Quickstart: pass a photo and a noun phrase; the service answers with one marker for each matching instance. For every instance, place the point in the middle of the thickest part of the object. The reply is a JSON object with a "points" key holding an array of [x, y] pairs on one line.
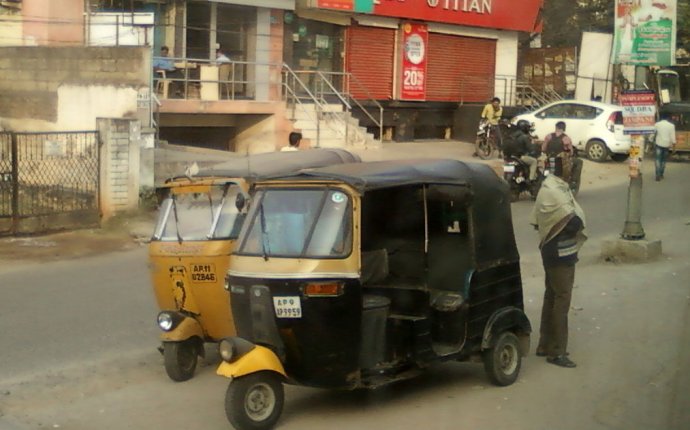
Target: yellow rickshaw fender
{"points": [[258, 359], [186, 329]]}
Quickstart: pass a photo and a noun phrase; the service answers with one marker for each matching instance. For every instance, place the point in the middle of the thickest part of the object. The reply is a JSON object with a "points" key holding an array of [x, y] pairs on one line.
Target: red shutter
{"points": [[370, 55], [460, 68]]}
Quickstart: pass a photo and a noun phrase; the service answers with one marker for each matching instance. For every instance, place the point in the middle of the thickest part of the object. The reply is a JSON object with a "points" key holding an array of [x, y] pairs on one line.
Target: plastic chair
{"points": [[223, 78], [162, 84]]}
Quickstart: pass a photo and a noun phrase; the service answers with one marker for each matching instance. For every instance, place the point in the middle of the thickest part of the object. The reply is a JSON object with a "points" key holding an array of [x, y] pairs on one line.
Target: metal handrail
{"points": [[155, 122], [352, 78], [318, 97]]}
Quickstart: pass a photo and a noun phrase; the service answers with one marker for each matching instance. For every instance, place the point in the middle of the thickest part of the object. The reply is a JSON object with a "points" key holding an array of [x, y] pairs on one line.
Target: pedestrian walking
{"points": [[664, 140], [560, 222]]}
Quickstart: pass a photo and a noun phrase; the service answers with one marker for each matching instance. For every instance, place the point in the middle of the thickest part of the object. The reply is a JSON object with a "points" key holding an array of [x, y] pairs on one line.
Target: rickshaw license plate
{"points": [[509, 168], [287, 307]]}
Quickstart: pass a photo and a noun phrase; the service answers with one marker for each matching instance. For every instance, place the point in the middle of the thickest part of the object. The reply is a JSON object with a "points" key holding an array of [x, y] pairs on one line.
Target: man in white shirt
{"points": [[221, 57], [294, 140], [664, 141]]}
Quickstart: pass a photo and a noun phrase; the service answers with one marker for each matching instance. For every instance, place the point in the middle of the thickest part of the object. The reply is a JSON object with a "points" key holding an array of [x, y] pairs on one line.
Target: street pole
{"points": [[632, 229]]}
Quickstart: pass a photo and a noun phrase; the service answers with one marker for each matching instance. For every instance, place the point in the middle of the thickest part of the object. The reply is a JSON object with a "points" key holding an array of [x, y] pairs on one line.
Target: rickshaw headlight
{"points": [[165, 321], [227, 349]]}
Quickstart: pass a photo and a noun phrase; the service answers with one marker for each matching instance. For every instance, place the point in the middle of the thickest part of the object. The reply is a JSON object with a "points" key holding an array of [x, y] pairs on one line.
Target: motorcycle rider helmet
{"points": [[524, 126]]}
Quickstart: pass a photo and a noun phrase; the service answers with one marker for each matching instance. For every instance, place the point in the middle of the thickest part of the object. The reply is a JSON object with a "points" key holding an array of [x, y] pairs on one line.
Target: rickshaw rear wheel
{"points": [[180, 359], [502, 362], [255, 401]]}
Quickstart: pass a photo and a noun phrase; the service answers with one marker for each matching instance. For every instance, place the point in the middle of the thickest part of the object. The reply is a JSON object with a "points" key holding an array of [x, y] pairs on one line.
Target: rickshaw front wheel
{"points": [[502, 362], [180, 359], [255, 401]]}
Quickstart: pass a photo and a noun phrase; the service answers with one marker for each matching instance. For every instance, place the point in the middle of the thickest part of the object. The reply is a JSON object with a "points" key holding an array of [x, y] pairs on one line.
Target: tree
{"points": [[683, 24]]}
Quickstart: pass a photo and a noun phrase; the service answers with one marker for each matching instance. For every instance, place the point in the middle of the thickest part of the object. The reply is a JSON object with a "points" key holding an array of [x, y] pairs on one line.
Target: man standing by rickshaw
{"points": [[561, 222]]}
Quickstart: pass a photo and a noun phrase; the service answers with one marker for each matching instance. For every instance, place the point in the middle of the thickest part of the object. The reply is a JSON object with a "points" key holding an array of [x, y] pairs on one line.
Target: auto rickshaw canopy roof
{"points": [[490, 200], [384, 174], [272, 164]]}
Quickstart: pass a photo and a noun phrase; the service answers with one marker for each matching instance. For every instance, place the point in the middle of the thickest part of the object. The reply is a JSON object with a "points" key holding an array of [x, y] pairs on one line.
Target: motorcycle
{"points": [[516, 174], [489, 138]]}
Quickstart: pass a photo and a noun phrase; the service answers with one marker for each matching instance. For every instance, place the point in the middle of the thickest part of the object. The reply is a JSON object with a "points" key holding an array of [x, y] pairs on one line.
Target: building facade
{"points": [[419, 60]]}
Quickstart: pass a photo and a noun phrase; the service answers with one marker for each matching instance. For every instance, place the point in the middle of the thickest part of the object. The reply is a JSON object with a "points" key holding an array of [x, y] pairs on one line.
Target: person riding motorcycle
{"points": [[521, 146], [559, 144]]}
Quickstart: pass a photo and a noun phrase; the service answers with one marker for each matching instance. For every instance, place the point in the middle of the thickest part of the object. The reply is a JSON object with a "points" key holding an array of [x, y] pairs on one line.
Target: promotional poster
{"points": [[645, 32], [414, 59]]}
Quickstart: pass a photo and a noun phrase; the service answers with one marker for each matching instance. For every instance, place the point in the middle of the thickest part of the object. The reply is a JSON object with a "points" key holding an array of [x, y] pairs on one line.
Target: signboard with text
{"points": [[499, 14], [415, 41], [361, 6], [639, 111], [645, 32], [336, 4]]}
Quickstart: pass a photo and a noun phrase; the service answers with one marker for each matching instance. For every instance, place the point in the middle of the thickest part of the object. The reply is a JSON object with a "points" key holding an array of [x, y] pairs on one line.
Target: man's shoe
{"points": [[561, 360], [542, 353], [658, 178]]}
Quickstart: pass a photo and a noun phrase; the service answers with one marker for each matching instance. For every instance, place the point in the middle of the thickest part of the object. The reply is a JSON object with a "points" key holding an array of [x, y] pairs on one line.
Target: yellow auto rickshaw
{"points": [[360, 275], [199, 220]]}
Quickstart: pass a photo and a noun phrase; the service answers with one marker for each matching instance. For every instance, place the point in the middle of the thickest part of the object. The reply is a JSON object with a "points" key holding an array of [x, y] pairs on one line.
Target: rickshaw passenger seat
{"points": [[374, 266]]}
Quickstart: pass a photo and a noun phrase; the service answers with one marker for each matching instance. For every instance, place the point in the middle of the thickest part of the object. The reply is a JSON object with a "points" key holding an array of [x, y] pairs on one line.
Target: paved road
{"points": [[77, 343]]}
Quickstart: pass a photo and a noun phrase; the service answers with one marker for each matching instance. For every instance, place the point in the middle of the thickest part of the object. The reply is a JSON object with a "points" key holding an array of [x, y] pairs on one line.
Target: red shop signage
{"points": [[522, 15], [415, 41], [336, 4]]}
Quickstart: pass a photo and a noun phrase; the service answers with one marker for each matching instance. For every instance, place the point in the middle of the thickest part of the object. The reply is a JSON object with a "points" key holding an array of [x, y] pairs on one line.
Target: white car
{"points": [[595, 128]]}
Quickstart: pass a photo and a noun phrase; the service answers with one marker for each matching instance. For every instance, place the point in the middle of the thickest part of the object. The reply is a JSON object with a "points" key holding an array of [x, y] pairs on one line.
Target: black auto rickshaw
{"points": [[190, 249], [356, 276]]}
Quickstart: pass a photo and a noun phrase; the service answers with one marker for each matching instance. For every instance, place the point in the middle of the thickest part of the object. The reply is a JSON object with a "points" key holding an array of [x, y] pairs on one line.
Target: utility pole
{"points": [[639, 115], [632, 229]]}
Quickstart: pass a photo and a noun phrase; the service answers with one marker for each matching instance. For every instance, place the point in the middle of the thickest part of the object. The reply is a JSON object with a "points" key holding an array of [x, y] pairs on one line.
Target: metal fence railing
{"points": [[45, 175]]}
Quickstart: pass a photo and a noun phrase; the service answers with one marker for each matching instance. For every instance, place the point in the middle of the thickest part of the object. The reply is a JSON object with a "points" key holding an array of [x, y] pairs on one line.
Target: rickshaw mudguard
{"points": [[508, 319], [186, 329], [258, 359]]}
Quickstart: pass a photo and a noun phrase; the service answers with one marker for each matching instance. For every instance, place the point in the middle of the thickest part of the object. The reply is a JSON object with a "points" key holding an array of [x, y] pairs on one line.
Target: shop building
{"points": [[423, 58]]}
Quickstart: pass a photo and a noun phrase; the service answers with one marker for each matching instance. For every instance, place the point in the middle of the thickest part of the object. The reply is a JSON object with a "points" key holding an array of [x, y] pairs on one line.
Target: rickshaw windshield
{"points": [[301, 223], [200, 216]]}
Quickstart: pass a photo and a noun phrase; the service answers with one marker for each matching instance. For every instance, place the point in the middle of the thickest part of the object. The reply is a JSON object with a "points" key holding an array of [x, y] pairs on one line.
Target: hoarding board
{"points": [[645, 32], [415, 42]]}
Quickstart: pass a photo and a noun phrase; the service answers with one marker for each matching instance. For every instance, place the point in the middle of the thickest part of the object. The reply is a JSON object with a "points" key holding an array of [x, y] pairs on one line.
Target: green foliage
{"points": [[683, 26]]}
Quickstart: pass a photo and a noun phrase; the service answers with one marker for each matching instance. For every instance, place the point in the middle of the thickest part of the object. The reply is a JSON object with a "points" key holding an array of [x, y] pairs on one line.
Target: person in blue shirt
{"points": [[163, 63], [165, 67]]}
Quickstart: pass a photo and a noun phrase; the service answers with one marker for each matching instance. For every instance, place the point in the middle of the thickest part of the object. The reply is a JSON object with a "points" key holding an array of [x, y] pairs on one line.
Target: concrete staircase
{"points": [[330, 126]]}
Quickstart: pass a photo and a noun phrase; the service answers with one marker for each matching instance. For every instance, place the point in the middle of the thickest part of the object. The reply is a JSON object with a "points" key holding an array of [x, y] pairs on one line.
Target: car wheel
{"points": [[597, 151], [502, 361], [254, 401], [180, 359], [619, 157]]}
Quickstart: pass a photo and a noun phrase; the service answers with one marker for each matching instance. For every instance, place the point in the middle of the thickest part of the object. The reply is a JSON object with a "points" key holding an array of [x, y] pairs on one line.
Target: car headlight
{"points": [[227, 349], [165, 321]]}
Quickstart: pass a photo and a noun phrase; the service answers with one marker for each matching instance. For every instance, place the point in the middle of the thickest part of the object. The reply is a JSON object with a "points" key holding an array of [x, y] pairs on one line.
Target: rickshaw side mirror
{"points": [[240, 201]]}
